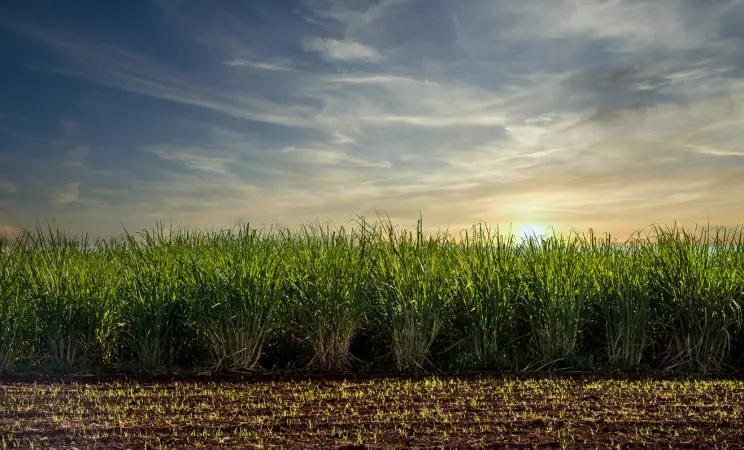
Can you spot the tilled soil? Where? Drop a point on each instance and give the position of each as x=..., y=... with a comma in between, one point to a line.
x=435, y=412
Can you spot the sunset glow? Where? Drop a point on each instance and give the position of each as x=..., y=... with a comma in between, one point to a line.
x=614, y=115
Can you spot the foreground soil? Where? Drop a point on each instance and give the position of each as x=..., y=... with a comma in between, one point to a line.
x=548, y=412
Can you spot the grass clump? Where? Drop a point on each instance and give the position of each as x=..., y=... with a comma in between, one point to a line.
x=153, y=308
x=327, y=277
x=13, y=310
x=67, y=292
x=624, y=302
x=414, y=286
x=236, y=289
x=697, y=282
x=491, y=287
x=555, y=303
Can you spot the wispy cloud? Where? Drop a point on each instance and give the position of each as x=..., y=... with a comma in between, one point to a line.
x=707, y=150
x=7, y=188
x=613, y=114
x=65, y=197
x=197, y=159
x=115, y=66
x=341, y=50
x=240, y=62
x=331, y=156
x=542, y=208
x=78, y=156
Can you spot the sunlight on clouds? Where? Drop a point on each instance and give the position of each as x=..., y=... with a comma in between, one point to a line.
x=613, y=115
x=543, y=208
x=361, y=101
x=71, y=195
x=330, y=157
x=707, y=150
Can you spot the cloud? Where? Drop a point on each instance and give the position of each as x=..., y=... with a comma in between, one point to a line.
x=354, y=17
x=240, y=62
x=196, y=159
x=538, y=208
x=626, y=27
x=341, y=50
x=115, y=66
x=330, y=157
x=707, y=150
x=614, y=114
x=7, y=188
x=78, y=156
x=66, y=197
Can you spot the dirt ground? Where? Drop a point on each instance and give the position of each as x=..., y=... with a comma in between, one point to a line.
x=432, y=412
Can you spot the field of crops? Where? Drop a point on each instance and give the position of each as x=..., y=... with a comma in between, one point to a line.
x=373, y=296
x=431, y=412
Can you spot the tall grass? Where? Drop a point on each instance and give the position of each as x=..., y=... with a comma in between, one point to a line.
x=12, y=310
x=698, y=285
x=64, y=293
x=411, y=272
x=625, y=302
x=153, y=307
x=492, y=287
x=556, y=285
x=329, y=271
x=236, y=284
x=160, y=300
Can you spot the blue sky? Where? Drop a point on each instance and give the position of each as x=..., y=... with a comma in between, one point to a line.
x=606, y=114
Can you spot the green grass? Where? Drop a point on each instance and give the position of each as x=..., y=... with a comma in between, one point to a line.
x=12, y=310
x=326, y=275
x=318, y=297
x=624, y=304
x=414, y=279
x=697, y=280
x=235, y=287
x=491, y=288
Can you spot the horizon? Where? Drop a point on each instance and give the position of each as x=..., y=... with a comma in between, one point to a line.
x=612, y=115
x=714, y=235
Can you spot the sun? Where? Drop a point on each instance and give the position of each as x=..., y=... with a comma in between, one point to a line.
x=527, y=231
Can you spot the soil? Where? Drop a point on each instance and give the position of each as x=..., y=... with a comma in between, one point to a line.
x=375, y=412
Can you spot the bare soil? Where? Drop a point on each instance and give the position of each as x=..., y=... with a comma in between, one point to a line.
x=379, y=412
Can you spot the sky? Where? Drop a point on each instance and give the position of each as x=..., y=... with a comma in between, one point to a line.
x=613, y=115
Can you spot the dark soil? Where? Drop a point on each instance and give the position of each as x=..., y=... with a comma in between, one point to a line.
x=373, y=412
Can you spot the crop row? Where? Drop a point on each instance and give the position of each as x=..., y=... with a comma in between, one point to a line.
x=373, y=296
